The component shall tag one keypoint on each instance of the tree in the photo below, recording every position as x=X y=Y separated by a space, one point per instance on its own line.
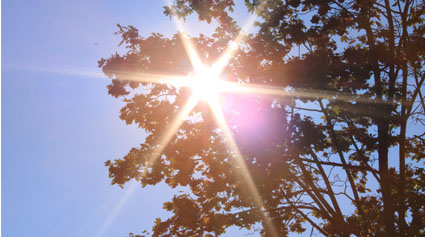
x=340 y=151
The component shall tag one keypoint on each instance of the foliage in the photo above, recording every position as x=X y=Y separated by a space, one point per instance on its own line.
x=344 y=156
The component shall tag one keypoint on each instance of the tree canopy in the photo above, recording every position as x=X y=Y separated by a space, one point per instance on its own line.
x=340 y=151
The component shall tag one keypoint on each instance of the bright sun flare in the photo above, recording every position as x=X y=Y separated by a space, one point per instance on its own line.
x=206 y=85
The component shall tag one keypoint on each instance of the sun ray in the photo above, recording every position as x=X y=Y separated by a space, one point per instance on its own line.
x=230 y=51
x=244 y=172
x=64 y=71
x=190 y=104
x=232 y=87
x=172 y=129
x=111 y=216
x=156 y=78
x=187 y=43
x=178 y=81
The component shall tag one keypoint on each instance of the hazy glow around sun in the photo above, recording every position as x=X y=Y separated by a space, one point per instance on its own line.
x=206 y=84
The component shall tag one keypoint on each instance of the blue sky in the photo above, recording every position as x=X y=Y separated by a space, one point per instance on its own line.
x=59 y=125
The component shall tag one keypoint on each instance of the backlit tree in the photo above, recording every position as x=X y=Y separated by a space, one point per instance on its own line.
x=324 y=102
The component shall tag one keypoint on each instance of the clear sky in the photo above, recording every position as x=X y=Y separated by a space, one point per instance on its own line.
x=59 y=125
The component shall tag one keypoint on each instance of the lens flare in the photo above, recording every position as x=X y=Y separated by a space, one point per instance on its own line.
x=244 y=173
x=206 y=86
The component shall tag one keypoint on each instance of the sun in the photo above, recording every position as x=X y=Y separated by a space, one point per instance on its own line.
x=206 y=84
